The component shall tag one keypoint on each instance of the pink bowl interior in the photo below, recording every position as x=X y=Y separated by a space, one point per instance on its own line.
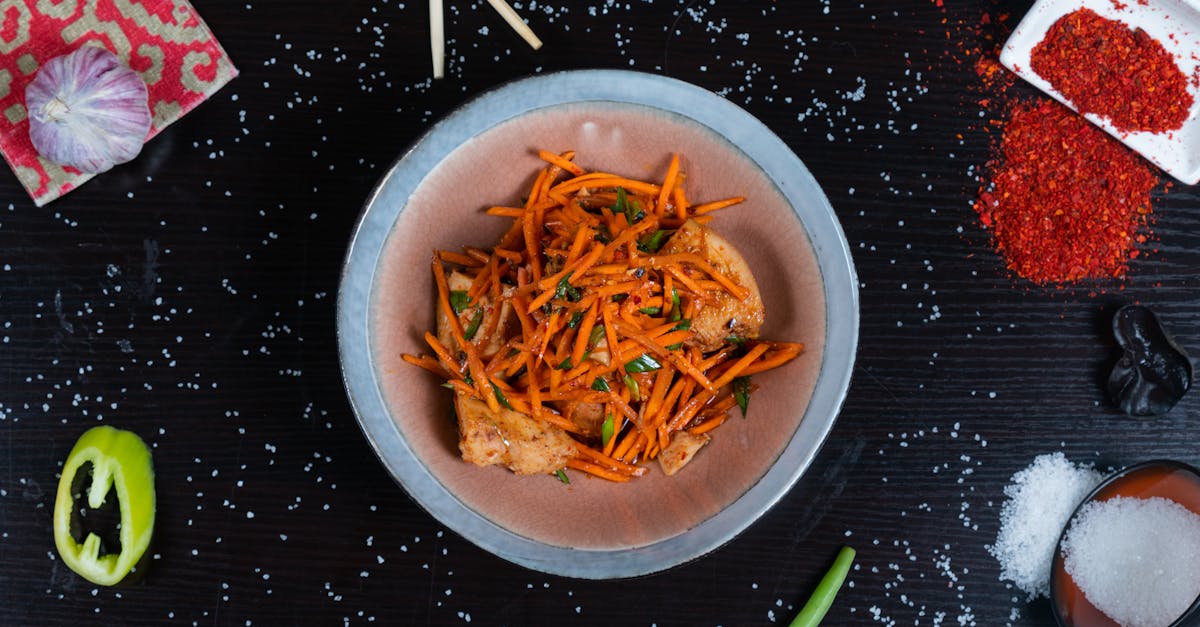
x=496 y=168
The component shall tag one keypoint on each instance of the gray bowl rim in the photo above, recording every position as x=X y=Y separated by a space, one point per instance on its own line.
x=790 y=176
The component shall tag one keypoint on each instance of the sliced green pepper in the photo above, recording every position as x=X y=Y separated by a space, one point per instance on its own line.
x=119 y=460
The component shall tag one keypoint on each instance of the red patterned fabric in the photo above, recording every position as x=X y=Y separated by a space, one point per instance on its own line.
x=164 y=41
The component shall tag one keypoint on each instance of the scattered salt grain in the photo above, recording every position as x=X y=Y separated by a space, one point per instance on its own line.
x=1040 y=501
x=1136 y=560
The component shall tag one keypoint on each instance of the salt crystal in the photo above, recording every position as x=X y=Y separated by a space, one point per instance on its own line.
x=1040 y=501
x=1136 y=560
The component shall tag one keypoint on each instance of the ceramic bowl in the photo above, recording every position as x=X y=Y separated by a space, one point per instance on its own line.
x=484 y=154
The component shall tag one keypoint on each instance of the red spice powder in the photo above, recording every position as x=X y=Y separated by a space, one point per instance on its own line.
x=1105 y=68
x=1065 y=201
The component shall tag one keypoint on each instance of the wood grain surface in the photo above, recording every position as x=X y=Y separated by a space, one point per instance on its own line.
x=189 y=295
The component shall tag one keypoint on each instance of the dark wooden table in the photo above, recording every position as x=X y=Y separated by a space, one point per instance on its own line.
x=189 y=296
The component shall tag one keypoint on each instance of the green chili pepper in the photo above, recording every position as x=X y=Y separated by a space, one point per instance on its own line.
x=119 y=460
x=822 y=598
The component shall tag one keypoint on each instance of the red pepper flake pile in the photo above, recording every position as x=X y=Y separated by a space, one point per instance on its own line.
x=1105 y=68
x=1066 y=201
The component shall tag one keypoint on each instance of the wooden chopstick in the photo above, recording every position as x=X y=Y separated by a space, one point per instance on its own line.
x=516 y=23
x=437 y=38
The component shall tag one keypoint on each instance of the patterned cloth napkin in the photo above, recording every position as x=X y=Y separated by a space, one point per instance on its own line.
x=164 y=41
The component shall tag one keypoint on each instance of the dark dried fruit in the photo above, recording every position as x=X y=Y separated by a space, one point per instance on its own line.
x=1154 y=372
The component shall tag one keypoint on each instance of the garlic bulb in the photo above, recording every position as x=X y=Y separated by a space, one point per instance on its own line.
x=88 y=110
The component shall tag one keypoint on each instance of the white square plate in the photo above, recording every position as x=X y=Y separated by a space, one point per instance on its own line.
x=1174 y=23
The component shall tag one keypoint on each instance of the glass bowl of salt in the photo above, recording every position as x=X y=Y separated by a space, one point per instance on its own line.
x=1130 y=554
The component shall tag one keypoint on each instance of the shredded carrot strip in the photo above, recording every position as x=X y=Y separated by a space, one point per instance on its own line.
x=507 y=212
x=717 y=204
x=459 y=258
x=668 y=185
x=561 y=162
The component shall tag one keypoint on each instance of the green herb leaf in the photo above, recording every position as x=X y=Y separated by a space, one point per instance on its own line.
x=676 y=346
x=741 y=393
x=562 y=476
x=473 y=327
x=736 y=339
x=651 y=311
x=683 y=325
x=643 y=363
x=600 y=385
x=676 y=314
x=631 y=384
x=500 y=396
x=652 y=242
x=575 y=319
x=459 y=300
x=565 y=365
x=606 y=430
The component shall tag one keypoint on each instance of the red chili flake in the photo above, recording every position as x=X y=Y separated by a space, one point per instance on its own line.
x=1105 y=68
x=1065 y=201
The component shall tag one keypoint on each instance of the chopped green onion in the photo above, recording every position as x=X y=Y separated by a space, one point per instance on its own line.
x=822 y=598
x=634 y=393
x=651 y=311
x=616 y=298
x=574 y=321
x=606 y=430
x=597 y=333
x=459 y=300
x=741 y=393
x=643 y=363
x=736 y=339
x=473 y=327
x=632 y=212
x=652 y=242
x=562 y=476
x=565 y=289
x=565 y=365
x=676 y=346
x=500 y=396
x=600 y=385
x=676 y=314
x=683 y=325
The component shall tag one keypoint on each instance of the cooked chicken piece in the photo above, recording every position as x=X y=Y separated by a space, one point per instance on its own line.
x=681 y=450
x=727 y=316
x=589 y=417
x=517 y=441
x=508 y=326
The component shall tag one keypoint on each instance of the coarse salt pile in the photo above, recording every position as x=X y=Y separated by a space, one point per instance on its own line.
x=1136 y=560
x=1040 y=501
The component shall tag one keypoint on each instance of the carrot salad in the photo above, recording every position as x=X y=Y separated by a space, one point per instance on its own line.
x=608 y=327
